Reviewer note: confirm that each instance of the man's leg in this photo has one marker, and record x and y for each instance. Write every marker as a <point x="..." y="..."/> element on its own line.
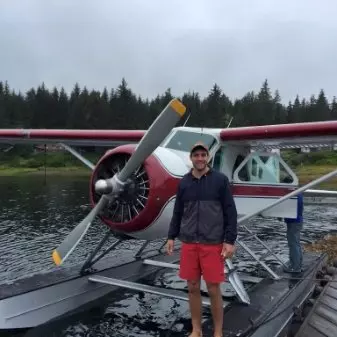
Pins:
<point x="195" y="307"/>
<point x="294" y="244"/>
<point x="212" y="266"/>
<point x="191" y="272"/>
<point x="299" y="255"/>
<point x="215" y="295"/>
<point x="290" y="240"/>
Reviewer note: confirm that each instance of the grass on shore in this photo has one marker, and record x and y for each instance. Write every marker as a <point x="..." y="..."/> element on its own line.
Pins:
<point x="52" y="162"/>
<point x="16" y="171"/>
<point x="310" y="172"/>
<point x="327" y="244"/>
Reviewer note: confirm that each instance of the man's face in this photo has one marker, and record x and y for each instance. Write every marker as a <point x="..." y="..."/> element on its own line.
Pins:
<point x="199" y="159"/>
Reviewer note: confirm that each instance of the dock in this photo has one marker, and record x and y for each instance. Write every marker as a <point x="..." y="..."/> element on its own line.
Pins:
<point x="322" y="320"/>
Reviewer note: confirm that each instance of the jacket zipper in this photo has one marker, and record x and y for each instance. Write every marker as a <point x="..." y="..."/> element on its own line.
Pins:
<point x="198" y="210"/>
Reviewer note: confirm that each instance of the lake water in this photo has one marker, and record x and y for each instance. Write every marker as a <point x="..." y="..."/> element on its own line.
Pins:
<point x="37" y="214"/>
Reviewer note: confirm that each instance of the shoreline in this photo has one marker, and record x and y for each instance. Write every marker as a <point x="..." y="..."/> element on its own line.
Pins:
<point x="28" y="171"/>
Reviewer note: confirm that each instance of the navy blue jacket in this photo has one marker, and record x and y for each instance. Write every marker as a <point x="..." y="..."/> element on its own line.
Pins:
<point x="204" y="210"/>
<point x="299" y="218"/>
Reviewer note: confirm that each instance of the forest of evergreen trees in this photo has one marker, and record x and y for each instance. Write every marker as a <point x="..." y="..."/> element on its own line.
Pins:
<point x="120" y="108"/>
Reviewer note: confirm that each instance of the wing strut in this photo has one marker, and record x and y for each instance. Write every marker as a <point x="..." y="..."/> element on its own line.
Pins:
<point x="321" y="193"/>
<point x="85" y="161"/>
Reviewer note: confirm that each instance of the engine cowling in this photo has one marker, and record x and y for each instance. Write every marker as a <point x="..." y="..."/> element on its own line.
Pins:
<point x="150" y="187"/>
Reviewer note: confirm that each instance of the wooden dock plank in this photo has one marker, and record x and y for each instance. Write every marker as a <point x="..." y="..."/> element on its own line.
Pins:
<point x="310" y="331"/>
<point x="331" y="292"/>
<point x="323" y="325"/>
<point x="322" y="320"/>
<point x="329" y="301"/>
<point x="327" y="313"/>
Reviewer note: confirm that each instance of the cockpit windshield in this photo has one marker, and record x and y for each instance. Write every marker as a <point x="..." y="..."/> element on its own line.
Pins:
<point x="184" y="140"/>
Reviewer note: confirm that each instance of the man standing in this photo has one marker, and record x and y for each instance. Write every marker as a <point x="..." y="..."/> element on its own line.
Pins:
<point x="294" y="227"/>
<point x="205" y="220"/>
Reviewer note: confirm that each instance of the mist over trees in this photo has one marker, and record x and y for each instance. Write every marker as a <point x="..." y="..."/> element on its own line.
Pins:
<point x="121" y="108"/>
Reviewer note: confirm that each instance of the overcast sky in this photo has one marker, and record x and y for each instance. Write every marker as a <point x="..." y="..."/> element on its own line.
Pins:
<point x="182" y="44"/>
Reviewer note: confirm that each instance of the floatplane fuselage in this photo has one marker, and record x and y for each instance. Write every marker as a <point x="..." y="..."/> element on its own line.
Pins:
<point x="132" y="190"/>
<point x="257" y="179"/>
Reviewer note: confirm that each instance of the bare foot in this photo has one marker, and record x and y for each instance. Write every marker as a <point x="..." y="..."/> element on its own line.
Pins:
<point x="195" y="334"/>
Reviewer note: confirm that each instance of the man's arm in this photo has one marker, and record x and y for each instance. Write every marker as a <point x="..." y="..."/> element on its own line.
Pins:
<point x="174" y="228"/>
<point x="230" y="213"/>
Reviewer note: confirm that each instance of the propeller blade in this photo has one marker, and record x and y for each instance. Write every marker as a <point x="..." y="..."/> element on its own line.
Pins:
<point x="61" y="253"/>
<point x="151" y="140"/>
<point x="159" y="129"/>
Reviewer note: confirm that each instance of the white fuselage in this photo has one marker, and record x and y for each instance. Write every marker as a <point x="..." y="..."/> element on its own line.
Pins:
<point x="257" y="179"/>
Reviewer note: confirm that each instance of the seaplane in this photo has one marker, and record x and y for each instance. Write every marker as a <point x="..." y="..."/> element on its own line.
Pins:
<point x="132" y="191"/>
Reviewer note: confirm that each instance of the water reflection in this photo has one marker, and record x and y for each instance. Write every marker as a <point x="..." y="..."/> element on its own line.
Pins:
<point x="35" y="217"/>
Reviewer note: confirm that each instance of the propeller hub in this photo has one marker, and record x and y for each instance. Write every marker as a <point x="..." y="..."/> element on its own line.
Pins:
<point x="101" y="186"/>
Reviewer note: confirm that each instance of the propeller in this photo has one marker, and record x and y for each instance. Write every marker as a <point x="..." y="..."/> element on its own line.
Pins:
<point x="111" y="188"/>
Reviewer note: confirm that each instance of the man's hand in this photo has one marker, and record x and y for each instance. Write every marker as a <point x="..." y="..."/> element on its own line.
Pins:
<point x="169" y="246"/>
<point x="227" y="250"/>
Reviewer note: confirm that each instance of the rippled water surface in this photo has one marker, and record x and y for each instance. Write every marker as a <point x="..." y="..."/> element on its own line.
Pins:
<point x="35" y="217"/>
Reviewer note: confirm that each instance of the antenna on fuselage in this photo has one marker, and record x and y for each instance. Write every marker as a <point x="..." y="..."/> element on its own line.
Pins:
<point x="230" y="122"/>
<point x="188" y="117"/>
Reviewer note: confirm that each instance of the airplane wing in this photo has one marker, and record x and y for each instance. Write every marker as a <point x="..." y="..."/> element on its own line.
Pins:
<point x="278" y="136"/>
<point x="283" y="136"/>
<point x="70" y="137"/>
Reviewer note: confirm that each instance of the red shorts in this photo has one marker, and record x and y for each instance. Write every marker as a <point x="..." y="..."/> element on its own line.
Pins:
<point x="198" y="259"/>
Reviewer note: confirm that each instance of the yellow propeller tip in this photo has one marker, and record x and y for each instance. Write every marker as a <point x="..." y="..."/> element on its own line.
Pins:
<point x="57" y="258"/>
<point x="178" y="107"/>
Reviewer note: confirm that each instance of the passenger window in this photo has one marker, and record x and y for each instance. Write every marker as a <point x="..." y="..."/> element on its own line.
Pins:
<point x="269" y="168"/>
<point x="238" y="161"/>
<point x="285" y="177"/>
<point x="217" y="162"/>
<point x="254" y="167"/>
